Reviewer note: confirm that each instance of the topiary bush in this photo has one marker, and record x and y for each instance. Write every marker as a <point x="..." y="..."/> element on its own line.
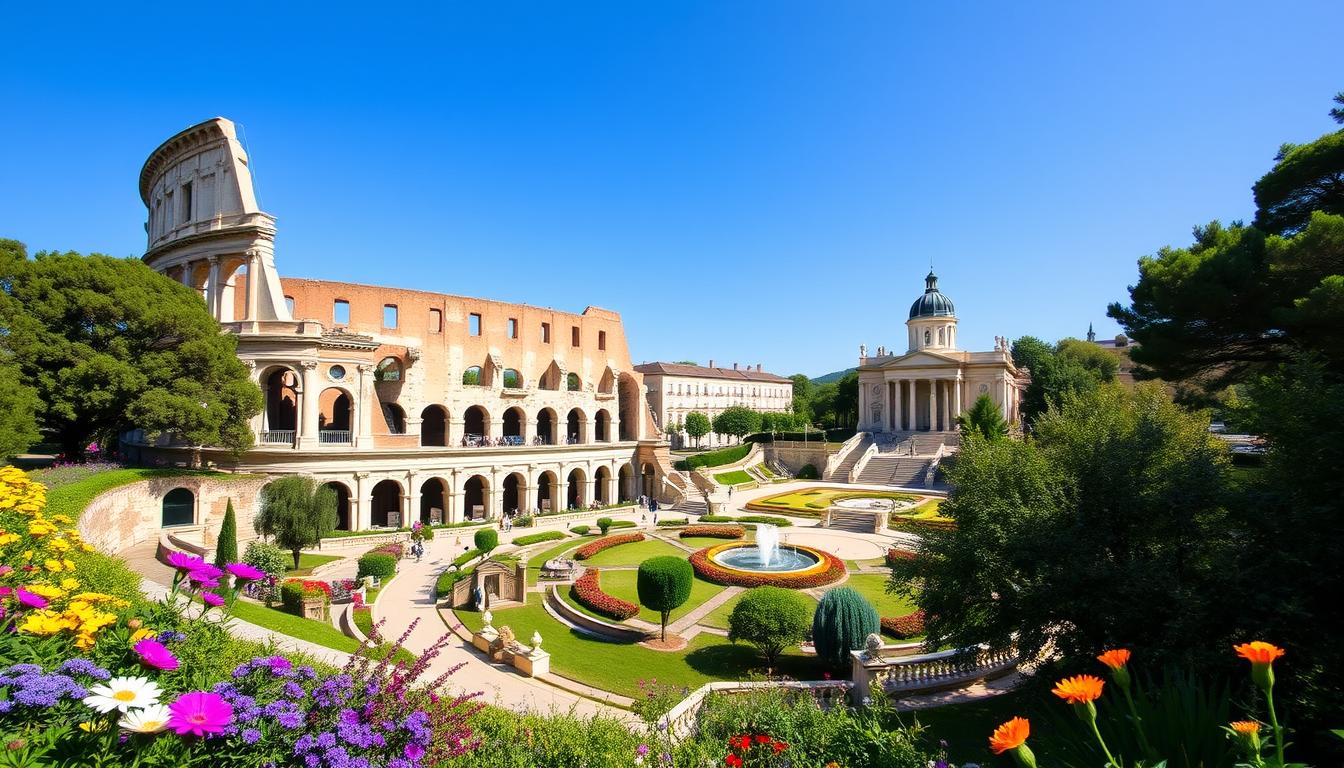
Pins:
<point x="664" y="584"/>
<point x="268" y="558"/>
<point x="603" y="523"/>
<point x="466" y="557"/>
<point x="842" y="623"/>
<point x="377" y="564"/>
<point x="486" y="539"/>
<point x="623" y="524"/>
<point x="770" y="618"/>
<point x="582" y="530"/>
<point x="671" y="522"/>
<point x="808" y="472"/>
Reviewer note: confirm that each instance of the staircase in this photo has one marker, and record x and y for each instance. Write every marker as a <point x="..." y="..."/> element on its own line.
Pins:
<point x="891" y="469"/>
<point x="690" y="507"/>
<point x="841" y="473"/>
<point x="851" y="520"/>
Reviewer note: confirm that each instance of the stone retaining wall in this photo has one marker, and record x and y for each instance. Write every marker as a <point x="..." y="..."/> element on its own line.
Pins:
<point x="132" y="514"/>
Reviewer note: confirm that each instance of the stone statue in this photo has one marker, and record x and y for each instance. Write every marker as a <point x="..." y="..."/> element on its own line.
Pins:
<point x="863" y="350"/>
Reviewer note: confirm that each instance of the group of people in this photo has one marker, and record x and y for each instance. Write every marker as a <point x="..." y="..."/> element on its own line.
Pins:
<point x="485" y="441"/>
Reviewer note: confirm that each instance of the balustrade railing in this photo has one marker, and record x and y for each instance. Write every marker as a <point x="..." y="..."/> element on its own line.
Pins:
<point x="682" y="720"/>
<point x="333" y="437"/>
<point x="925" y="672"/>
<point x="277" y="437"/>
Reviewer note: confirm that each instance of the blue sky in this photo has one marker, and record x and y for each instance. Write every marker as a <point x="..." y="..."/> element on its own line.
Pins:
<point x="743" y="181"/>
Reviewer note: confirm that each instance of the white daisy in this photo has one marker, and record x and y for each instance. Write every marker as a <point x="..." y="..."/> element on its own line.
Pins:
<point x="151" y="719"/>
<point x="123" y="693"/>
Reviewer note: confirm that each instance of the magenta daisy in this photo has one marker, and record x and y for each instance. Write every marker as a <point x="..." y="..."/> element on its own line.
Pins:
<point x="244" y="572"/>
<point x="155" y="654"/>
<point x="200" y="713"/>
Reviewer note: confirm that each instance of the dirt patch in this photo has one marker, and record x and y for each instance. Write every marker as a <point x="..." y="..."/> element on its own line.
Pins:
<point x="672" y="643"/>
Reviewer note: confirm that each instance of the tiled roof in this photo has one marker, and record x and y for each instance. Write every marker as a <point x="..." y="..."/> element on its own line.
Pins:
<point x="700" y="371"/>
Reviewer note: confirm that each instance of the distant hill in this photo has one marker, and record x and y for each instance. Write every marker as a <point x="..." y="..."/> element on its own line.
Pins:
<point x="833" y="376"/>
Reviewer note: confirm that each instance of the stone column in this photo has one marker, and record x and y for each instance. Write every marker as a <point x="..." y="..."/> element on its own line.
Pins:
<point x="453" y="513"/>
<point x="253" y="284"/>
<point x="864" y="425"/>
<point x="613" y="488"/>
<point x="308" y="404"/>
<point x="185" y="277"/>
<point x="361" y="504"/>
<point x="410" y="500"/>
<point x="212" y="293"/>
<point x="947" y="404"/>
<point x="453" y="426"/>
<point x="494" y="506"/>
<point x="365" y="399"/>
<point x="933" y="403"/>
<point x="589" y="435"/>
<point x="560" y="491"/>
<point x="956" y="396"/>
<point x="1003" y="389"/>
<point x="495" y="427"/>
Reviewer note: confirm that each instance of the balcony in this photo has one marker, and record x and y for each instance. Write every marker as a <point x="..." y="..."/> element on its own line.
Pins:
<point x="334" y="437"/>
<point x="277" y="437"/>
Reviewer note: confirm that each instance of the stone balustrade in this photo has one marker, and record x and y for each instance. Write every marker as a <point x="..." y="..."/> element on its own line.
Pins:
<point x="682" y="720"/>
<point x="928" y="672"/>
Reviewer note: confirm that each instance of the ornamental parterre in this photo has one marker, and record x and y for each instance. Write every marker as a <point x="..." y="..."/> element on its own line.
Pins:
<point x="828" y="570"/>
<point x="588" y="550"/>
<point x="588" y="591"/>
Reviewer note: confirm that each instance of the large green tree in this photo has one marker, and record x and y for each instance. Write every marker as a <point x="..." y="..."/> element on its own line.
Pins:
<point x="697" y="426"/>
<point x="983" y="419"/>
<point x="802" y="395"/>
<point x="109" y="344"/>
<point x="297" y="513"/>
<point x="737" y="421"/>
<point x="18" y="410"/>
<point x="1305" y="178"/>
<point x="1068" y="367"/>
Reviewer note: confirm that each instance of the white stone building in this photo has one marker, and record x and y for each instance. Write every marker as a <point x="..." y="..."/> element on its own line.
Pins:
<point x="676" y="389"/>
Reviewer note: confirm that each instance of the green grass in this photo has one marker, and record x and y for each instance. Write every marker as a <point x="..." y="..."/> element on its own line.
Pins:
<point x="873" y="588"/>
<point x="718" y="617"/>
<point x="621" y="584"/>
<point x="70" y="489"/>
<point x="317" y="632"/>
<point x="736" y="477"/>
<point x="364" y="620"/>
<point x="536" y="538"/>
<point x="811" y="501"/>
<point x="633" y="553"/>
<point x="308" y="562"/>
<point x="764" y="470"/>
<point x="700" y="542"/>
<point x="617" y="666"/>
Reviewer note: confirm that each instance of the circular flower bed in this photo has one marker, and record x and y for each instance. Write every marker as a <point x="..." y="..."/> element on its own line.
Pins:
<point x="904" y="627"/>
<point x="828" y="570"/>
<point x="588" y="550"/>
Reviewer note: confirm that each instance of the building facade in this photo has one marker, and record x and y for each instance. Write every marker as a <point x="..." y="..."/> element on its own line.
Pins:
<point x="928" y="386"/>
<point x="676" y="389"/>
<point x="412" y="405"/>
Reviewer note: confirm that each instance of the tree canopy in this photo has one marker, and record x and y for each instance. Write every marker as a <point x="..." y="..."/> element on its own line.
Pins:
<point x="697" y="425"/>
<point x="984" y="420"/>
<point x="297" y="513"/>
<point x="737" y="421"/>
<point x="109" y="344"/>
<point x="1069" y="367"/>
<point x="1305" y="178"/>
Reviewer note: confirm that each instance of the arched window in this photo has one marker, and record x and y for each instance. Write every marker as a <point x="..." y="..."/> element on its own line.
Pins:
<point x="472" y="376"/>
<point x="179" y="507"/>
<point x="572" y="382"/>
<point x="512" y="379"/>
<point x="388" y="370"/>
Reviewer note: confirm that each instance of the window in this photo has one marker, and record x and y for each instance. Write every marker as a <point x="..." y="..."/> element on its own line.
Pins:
<point x="435" y="321"/>
<point x="389" y="315"/>
<point x="601" y="339"/>
<point x="179" y="508"/>
<point x="289" y="305"/>
<point x="545" y="333"/>
<point x="572" y="382"/>
<point x="340" y="312"/>
<point x="512" y="379"/>
<point x="513" y="328"/>
<point x="574" y="336"/>
<point x="474" y="324"/>
<point x="336" y="372"/>
<point x="388" y="370"/>
<point x="472" y="376"/>
<point x="186" y="202"/>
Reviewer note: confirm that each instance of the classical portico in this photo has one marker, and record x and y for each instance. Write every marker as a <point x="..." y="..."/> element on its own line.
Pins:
<point x="929" y="385"/>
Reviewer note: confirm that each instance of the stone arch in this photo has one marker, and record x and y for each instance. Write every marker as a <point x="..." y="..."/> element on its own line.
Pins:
<point x="514" y="421"/>
<point x="385" y="504"/>
<point x="577" y="499"/>
<point x="627" y="407"/>
<point x="572" y="382"/>
<point x="395" y="417"/>
<point x="434" y="426"/>
<point x="550" y="379"/>
<point x="476" y="376"/>
<point x="388" y="369"/>
<point x="547" y="426"/>
<point x="602" y="426"/>
<point x="342" y="504"/>
<point x="336" y="415"/>
<point x="546" y="485"/>
<point x="625" y="483"/>
<point x="475" y="422"/>
<point x="576" y="427"/>
<point x="434" y="495"/>
<point x="512" y="379"/>
<point x="476" y="498"/>
<point x="280" y="388"/>
<point x="178" y="508"/>
<point x="601" y="485"/>
<point x="607" y="383"/>
<point x="513" y="493"/>
<point x="648" y="481"/>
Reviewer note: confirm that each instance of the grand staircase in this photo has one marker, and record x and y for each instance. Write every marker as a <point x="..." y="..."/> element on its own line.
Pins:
<point x="892" y="469"/>
<point x="851" y="520"/>
<point x="841" y="472"/>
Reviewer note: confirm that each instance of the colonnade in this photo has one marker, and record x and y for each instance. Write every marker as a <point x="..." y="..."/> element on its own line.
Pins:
<point x="914" y="404"/>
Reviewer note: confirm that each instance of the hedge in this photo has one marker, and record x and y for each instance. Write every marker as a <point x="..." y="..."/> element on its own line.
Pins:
<point x="808" y="472"/>
<point x="443" y="586"/>
<point x="592" y="548"/>
<point x="711" y="571"/>
<point x="623" y="524"/>
<point x="904" y="627"/>
<point x="588" y="592"/>
<point x="466" y="557"/>
<point x="912" y="524"/>
<point x="715" y="531"/>
<point x="779" y="522"/>
<point x="895" y="555"/>
<point x="716" y="458"/>
<point x="580" y="529"/>
<point x="533" y="538"/>
<point x="377" y="564"/>
<point x="672" y="522"/>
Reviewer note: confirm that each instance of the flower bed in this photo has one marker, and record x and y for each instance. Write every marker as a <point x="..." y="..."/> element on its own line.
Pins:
<point x="588" y="592"/>
<point x="588" y="550"/>
<point x="715" y="531"/>
<point x="904" y="627"/>
<point x="895" y="555"/>
<point x="926" y="524"/>
<point x="828" y="570"/>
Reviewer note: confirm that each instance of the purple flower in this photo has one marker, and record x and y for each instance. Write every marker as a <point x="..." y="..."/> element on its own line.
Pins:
<point x="154" y="654"/>
<point x="413" y="751"/>
<point x="293" y="690"/>
<point x="244" y="572"/>
<point x="290" y="720"/>
<point x="199" y="713"/>
<point x="211" y="599"/>
<point x="82" y="666"/>
<point x="29" y="599"/>
<point x="641" y="750"/>
<point x="305" y="743"/>
<point x="203" y="579"/>
<point x="251" y="736"/>
<point x="279" y="665"/>
<point x="184" y="562"/>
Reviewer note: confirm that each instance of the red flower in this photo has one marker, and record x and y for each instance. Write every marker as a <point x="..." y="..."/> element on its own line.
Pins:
<point x="589" y="593"/>
<point x="708" y="570"/>
<point x="762" y="739"/>
<point x="588" y="550"/>
<point x="714" y="531"/>
<point x="780" y="747"/>
<point x="903" y="627"/>
<point x="733" y="760"/>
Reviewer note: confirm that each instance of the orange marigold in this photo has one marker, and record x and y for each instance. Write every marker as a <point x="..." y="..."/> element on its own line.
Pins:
<point x="1010" y="735"/>
<point x="1079" y="689"/>
<point x="1258" y="652"/>
<point x="1246" y="727"/>
<point x="1114" y="658"/>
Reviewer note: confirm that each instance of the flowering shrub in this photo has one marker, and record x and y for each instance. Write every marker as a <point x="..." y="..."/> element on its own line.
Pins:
<point x="343" y="591"/>
<point x="588" y="550"/>
<point x="828" y="571"/>
<point x="895" y="555"/>
<point x="294" y="592"/>
<point x="752" y="751"/>
<point x="394" y="548"/>
<point x="904" y="627"/>
<point x="589" y="593"/>
<point x="715" y="531"/>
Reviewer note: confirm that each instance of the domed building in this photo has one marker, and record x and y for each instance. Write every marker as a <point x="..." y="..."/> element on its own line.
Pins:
<point x="926" y="387"/>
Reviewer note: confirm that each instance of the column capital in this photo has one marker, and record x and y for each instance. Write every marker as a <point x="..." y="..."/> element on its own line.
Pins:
<point x="308" y="365"/>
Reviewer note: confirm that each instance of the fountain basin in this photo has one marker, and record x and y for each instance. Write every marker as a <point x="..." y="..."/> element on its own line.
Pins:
<point x="748" y="557"/>
<point x="737" y="564"/>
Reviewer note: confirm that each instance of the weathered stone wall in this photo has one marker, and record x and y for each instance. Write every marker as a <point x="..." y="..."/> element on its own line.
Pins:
<point x="132" y="514"/>
<point x="797" y="455"/>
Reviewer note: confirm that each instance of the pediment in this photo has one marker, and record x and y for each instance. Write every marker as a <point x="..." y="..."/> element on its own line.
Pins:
<point x="920" y="358"/>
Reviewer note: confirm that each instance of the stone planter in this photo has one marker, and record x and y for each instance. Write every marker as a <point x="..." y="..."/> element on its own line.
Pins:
<point x="315" y="608"/>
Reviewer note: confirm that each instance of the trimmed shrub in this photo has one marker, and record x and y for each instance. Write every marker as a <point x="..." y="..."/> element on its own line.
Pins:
<point x="523" y="521"/>
<point x="380" y="565"/>
<point x="716" y="519"/>
<point x="829" y="571"/>
<point x="580" y="529"/>
<point x="623" y="524"/>
<point x="603" y="523"/>
<point x="904" y="627"/>
<point x="443" y="586"/>
<point x="267" y="558"/>
<point x="715" y="531"/>
<point x="778" y="522"/>
<point x="664" y="585"/>
<point x="590" y="549"/>
<point x="466" y="557"/>
<point x="672" y="522"/>
<point x="226" y="546"/>
<point x="533" y="538"/>
<point x="486" y="539"/>
<point x="718" y="458"/>
<point x="895" y="555"/>
<point x="588" y="592"/>
<point x="808" y="472"/>
<point x="770" y="618"/>
<point x="842" y="623"/>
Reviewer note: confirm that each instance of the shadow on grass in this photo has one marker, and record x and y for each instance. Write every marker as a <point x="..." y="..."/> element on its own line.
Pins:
<point x="741" y="661"/>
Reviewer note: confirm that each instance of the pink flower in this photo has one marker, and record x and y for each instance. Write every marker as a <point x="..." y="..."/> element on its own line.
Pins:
<point x="199" y="713"/>
<point x="212" y="599"/>
<point x="203" y="579"/>
<point x="184" y="562"/>
<point x="155" y="654"/>
<point x="244" y="572"/>
<point x="29" y="599"/>
<point x="5" y="569"/>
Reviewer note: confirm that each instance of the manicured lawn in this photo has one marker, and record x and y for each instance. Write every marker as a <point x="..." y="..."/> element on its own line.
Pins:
<point x="811" y="501"/>
<point x="364" y="620"/>
<point x="873" y="588"/>
<point x="622" y="584"/>
<point x="617" y="666"/>
<point x="700" y="542"/>
<point x="308" y="562"/>
<point x="70" y="489"/>
<point x="634" y="553"/>
<point x="719" y="616"/>
<point x="736" y="477"/>
<point x="319" y="632"/>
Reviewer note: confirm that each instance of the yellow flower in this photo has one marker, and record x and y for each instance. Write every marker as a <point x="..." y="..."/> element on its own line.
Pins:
<point x="40" y="527"/>
<point x="141" y="634"/>
<point x="70" y="585"/>
<point x="69" y="564"/>
<point x="60" y="545"/>
<point x="46" y="590"/>
<point x="8" y="538"/>
<point x="42" y="623"/>
<point x="53" y="565"/>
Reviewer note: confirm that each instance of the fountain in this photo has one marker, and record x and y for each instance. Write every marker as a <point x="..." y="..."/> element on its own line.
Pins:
<point x="767" y="543"/>
<point x="766" y="555"/>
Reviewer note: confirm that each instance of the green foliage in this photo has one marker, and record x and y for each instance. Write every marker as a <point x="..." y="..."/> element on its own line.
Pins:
<point x="736" y="477"/>
<point x="781" y="422"/>
<point x="622" y="524"/>
<point x="467" y="557"/>
<point x="511" y="739"/>
<point x="533" y="538"/>
<point x="226" y="546"/>
<point x="842" y="623"/>
<point x="1069" y="368"/>
<point x="72" y="488"/>
<point x="580" y="529"/>
<point x="110" y="344"/>
<point x="1305" y="178"/>
<point x="697" y="425"/>
<point x="108" y="575"/>
<point x="770" y="618"/>
<point x="486" y="539"/>
<point x="291" y="597"/>
<point x="807" y="472"/>
<point x="737" y="421"/>
<point x="380" y="565"/>
<point x="719" y="457"/>
<point x="984" y="420"/>
<point x="268" y="558"/>
<point x="443" y="585"/>
<point x="836" y="404"/>
<point x="604" y="524"/>
<point x="1092" y="357"/>
<point x="297" y="513"/>
<point x="18" y="410"/>
<point x="664" y="584"/>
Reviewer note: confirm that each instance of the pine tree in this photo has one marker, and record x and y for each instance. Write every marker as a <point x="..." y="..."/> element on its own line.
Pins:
<point x="226" y="547"/>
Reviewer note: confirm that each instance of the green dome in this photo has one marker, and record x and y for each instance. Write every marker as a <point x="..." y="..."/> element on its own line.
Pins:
<point x="933" y="303"/>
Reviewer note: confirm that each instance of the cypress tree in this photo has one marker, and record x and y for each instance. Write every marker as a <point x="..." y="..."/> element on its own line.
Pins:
<point x="842" y="623"/>
<point x="226" y="548"/>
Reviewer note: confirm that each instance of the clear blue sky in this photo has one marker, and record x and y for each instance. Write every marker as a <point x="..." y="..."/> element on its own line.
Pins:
<point x="743" y="181"/>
